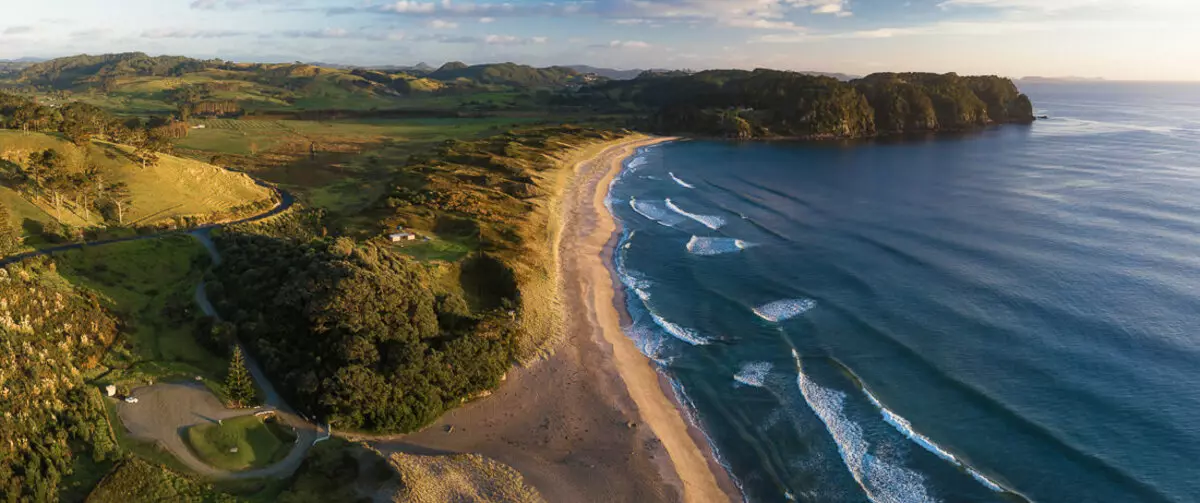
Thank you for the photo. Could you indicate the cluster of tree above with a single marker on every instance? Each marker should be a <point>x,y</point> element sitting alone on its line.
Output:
<point>770,103</point>
<point>50,334</point>
<point>199,100</point>
<point>49,175</point>
<point>355,333</point>
<point>81,122</point>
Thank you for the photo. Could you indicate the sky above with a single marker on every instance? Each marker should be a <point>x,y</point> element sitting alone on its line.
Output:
<point>1115,39</point>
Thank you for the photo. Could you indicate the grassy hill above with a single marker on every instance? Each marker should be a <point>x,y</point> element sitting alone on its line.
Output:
<point>175,188</point>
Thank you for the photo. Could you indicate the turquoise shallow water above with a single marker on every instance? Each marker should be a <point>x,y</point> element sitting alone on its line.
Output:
<point>1007,315</point>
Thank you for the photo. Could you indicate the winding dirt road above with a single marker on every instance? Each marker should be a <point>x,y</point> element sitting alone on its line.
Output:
<point>165,411</point>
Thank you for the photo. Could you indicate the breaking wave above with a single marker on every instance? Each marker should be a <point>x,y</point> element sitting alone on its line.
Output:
<point>753,374</point>
<point>904,427</point>
<point>650,342</point>
<point>785,309</point>
<point>715,246</point>
<point>710,221</point>
<point>882,481</point>
<point>684,334</point>
<point>636,163</point>
<point>681,182</point>
<point>655,212</point>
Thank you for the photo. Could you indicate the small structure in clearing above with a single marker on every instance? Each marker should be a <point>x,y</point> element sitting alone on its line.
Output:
<point>402,236</point>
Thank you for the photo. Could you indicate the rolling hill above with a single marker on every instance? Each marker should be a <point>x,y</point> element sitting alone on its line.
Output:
<point>175,188</point>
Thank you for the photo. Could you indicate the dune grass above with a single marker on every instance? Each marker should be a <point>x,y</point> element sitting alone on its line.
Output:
<point>460,477</point>
<point>240,443</point>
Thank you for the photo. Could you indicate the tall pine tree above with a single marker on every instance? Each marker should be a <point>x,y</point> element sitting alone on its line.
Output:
<point>238,383</point>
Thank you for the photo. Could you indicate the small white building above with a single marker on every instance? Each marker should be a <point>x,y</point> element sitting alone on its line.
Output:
<point>402,236</point>
<point>110,390</point>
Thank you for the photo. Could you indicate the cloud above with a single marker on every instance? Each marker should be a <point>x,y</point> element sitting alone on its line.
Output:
<point>91,33</point>
<point>18,30</point>
<point>486,20</point>
<point>234,4</point>
<point>942,29</point>
<point>512,40</point>
<point>186,33</point>
<point>390,36</point>
<point>624,44</point>
<point>1037,5</point>
<point>326,33</point>
<point>441,24</point>
<point>756,14</point>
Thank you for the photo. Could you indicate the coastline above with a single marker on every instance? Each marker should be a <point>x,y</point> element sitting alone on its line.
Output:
<point>593,420</point>
<point>691,457</point>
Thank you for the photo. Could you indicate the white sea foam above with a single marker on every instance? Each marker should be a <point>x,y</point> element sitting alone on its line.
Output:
<point>632,279</point>
<point>681,182</point>
<point>906,428</point>
<point>682,333</point>
<point>716,246</point>
<point>785,309</point>
<point>753,374</point>
<point>636,163</point>
<point>655,212</point>
<point>882,481</point>
<point>711,221</point>
<point>649,341</point>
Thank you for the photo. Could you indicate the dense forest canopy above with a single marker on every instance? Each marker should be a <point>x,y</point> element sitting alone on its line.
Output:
<point>771,103</point>
<point>355,333</point>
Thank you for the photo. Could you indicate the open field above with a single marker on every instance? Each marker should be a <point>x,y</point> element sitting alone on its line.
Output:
<point>240,443</point>
<point>149,284</point>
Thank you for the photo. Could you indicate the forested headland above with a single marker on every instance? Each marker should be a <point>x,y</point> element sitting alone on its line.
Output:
<point>780,104</point>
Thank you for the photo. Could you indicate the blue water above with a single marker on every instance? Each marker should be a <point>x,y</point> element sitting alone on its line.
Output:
<point>1001,316</point>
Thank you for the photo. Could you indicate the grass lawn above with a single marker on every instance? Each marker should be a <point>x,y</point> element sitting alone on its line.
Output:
<point>240,443</point>
<point>150,284</point>
<point>435,249</point>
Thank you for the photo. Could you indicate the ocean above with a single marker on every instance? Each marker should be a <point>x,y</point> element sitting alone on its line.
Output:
<point>1006,315</point>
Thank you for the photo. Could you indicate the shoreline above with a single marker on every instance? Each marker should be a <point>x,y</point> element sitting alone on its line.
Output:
<point>593,420</point>
<point>692,457</point>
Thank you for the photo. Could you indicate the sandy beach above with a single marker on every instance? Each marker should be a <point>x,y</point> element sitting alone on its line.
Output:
<point>593,422</point>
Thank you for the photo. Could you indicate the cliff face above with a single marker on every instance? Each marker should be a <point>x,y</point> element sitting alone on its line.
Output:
<point>769,103</point>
